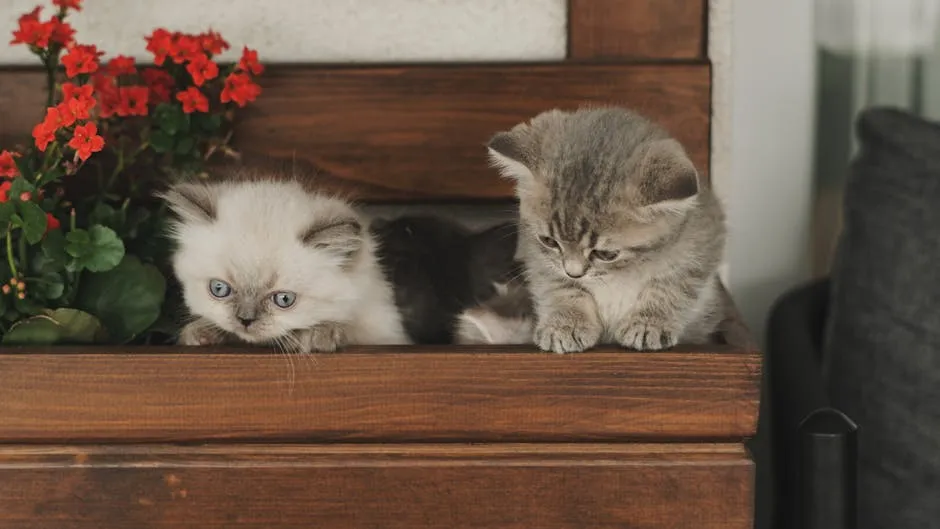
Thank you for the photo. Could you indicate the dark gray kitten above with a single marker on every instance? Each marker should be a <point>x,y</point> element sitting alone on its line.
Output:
<point>620,241</point>
<point>439,268</point>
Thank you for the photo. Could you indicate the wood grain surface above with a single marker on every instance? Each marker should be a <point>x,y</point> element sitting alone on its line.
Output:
<point>416,133</point>
<point>390,394</point>
<point>637,29</point>
<point>640,486</point>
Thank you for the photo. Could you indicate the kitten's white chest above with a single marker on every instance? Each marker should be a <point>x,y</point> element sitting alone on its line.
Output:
<point>615,299</point>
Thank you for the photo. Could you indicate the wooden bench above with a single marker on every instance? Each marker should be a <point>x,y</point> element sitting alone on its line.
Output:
<point>416,437</point>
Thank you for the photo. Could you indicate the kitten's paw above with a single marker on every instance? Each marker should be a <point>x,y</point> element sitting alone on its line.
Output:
<point>199,333</point>
<point>647,336</point>
<point>323,338</point>
<point>567,331</point>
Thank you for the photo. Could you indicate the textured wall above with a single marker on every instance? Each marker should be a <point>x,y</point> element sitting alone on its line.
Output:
<point>326,30</point>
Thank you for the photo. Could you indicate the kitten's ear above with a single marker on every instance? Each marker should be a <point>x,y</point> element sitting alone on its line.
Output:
<point>511,153</point>
<point>191,202</point>
<point>494,249</point>
<point>342,237</point>
<point>668,175</point>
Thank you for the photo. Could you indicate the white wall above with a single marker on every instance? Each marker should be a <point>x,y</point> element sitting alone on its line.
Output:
<point>769,187</point>
<point>325,30</point>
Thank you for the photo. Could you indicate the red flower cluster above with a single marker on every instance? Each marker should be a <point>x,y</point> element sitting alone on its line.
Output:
<point>81,59</point>
<point>32,32</point>
<point>239,86</point>
<point>77,103</point>
<point>182,47</point>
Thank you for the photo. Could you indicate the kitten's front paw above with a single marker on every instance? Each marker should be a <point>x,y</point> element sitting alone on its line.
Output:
<point>647,336</point>
<point>567,331</point>
<point>199,333</point>
<point>323,338</point>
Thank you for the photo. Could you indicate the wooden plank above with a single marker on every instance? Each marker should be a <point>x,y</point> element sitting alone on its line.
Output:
<point>417,132</point>
<point>637,29</point>
<point>352,487</point>
<point>377,394</point>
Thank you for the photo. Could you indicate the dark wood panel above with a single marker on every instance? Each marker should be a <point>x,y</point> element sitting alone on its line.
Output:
<point>637,29</point>
<point>352,487</point>
<point>413,394</point>
<point>417,132</point>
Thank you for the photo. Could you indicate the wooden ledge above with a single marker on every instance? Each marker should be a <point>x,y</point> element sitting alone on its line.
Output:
<point>377,395</point>
<point>509,486</point>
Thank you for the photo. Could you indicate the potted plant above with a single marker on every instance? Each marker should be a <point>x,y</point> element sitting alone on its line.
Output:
<point>82,245</point>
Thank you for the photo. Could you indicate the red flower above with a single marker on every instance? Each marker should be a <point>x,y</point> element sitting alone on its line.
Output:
<point>160,44</point>
<point>62,32</point>
<point>7,165</point>
<point>185,47</point>
<point>81,59</point>
<point>249,62</point>
<point>31,31</point>
<point>108,95</point>
<point>160,84</point>
<point>52,223</point>
<point>193,100</point>
<point>134,101</point>
<point>5,191</point>
<point>43,136</point>
<point>240,89</point>
<point>212,43</point>
<point>74,91</point>
<point>69,4</point>
<point>121,65</point>
<point>86,141</point>
<point>44,133</point>
<point>202,69</point>
<point>66,116</point>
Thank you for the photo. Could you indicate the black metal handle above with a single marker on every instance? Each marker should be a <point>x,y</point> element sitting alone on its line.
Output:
<point>828,459</point>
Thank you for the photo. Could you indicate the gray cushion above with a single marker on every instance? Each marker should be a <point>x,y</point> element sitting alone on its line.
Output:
<point>882,351</point>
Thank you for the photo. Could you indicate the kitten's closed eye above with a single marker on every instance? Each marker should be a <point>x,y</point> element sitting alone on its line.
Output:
<point>549,242</point>
<point>605,255</point>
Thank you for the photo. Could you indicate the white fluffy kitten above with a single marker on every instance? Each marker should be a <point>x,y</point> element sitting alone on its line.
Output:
<point>262,257</point>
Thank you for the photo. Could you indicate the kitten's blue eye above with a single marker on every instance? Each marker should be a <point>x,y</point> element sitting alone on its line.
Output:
<point>219,288</point>
<point>604,255</point>
<point>549,242</point>
<point>284,299</point>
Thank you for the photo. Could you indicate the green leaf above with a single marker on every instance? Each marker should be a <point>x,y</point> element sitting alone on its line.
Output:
<point>127,298</point>
<point>53,257</point>
<point>210,123</point>
<point>24,166</point>
<point>185,145</point>
<point>50,286</point>
<point>16,220</point>
<point>99,249</point>
<point>171,119</point>
<point>49,176</point>
<point>77,326</point>
<point>37,330</point>
<point>34,221</point>
<point>6,212</point>
<point>19,186</point>
<point>161,141</point>
<point>105,215</point>
<point>27,306</point>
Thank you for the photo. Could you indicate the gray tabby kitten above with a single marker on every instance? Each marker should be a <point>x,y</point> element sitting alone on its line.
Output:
<point>620,241</point>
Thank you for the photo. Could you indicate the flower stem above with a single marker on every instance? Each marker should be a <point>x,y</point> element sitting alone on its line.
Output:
<point>24,259</point>
<point>10,253</point>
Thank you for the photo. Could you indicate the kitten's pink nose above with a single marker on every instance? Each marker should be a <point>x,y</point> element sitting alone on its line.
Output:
<point>574,269</point>
<point>246,321</point>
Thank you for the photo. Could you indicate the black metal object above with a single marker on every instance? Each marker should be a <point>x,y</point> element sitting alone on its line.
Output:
<point>814,454</point>
<point>828,467</point>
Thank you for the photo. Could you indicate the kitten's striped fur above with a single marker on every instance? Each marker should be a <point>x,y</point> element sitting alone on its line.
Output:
<point>620,242</point>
